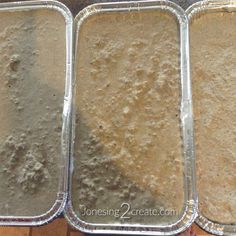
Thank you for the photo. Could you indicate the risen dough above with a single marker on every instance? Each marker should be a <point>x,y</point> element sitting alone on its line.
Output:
<point>213,61</point>
<point>32,75</point>
<point>128,146</point>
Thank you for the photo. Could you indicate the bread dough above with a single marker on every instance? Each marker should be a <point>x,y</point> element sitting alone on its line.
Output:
<point>128,147</point>
<point>213,62</point>
<point>32,74</point>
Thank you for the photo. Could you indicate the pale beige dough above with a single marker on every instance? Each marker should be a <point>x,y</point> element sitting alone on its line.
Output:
<point>32,75</point>
<point>213,62</point>
<point>128,146</point>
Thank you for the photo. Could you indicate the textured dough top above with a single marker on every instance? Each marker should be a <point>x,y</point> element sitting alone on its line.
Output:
<point>128,137</point>
<point>213,63</point>
<point>32,75</point>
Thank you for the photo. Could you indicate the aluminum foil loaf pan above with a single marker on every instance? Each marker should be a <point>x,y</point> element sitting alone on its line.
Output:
<point>35,74</point>
<point>132,156</point>
<point>213,50</point>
